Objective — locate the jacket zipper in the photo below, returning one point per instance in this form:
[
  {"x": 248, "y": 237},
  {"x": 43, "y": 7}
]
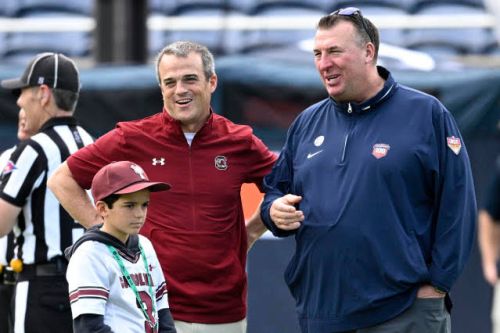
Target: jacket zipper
[{"x": 346, "y": 137}]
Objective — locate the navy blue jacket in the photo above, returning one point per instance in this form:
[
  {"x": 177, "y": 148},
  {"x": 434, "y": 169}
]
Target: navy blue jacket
[{"x": 389, "y": 205}]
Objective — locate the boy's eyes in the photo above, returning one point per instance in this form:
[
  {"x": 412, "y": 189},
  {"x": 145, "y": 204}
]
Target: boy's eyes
[{"x": 132, "y": 205}]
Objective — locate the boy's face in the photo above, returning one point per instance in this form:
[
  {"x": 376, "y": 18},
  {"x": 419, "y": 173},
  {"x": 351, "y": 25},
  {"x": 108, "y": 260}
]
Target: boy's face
[{"x": 127, "y": 215}]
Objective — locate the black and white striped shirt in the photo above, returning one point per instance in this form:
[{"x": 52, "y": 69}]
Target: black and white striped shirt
[
  {"x": 45, "y": 229},
  {"x": 6, "y": 242}
]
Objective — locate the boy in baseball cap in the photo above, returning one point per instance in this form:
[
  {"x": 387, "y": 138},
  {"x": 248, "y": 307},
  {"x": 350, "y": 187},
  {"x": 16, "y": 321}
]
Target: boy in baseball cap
[{"x": 115, "y": 281}]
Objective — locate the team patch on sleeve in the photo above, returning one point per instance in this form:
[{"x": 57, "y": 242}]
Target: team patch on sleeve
[
  {"x": 88, "y": 292},
  {"x": 454, "y": 144},
  {"x": 9, "y": 167}
]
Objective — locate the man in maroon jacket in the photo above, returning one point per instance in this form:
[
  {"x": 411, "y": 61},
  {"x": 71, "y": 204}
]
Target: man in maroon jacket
[{"x": 198, "y": 227}]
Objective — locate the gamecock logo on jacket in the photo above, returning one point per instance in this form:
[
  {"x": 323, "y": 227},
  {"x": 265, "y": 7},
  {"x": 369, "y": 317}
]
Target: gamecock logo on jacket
[{"x": 221, "y": 163}]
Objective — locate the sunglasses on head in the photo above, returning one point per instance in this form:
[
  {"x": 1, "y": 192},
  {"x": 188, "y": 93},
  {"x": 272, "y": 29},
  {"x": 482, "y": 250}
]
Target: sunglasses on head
[{"x": 352, "y": 11}]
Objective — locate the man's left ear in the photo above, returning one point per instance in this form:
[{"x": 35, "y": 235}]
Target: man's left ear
[
  {"x": 213, "y": 83},
  {"x": 370, "y": 52},
  {"x": 45, "y": 94}
]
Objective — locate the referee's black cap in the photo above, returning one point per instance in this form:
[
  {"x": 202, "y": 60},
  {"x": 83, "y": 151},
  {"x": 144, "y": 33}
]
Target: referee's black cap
[{"x": 53, "y": 69}]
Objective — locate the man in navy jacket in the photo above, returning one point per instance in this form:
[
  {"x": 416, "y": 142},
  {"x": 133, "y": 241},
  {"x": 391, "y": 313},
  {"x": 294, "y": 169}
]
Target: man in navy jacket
[{"x": 375, "y": 184}]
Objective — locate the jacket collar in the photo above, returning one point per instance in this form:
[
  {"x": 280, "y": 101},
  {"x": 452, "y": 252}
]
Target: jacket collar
[
  {"x": 56, "y": 121},
  {"x": 169, "y": 121},
  {"x": 382, "y": 95}
]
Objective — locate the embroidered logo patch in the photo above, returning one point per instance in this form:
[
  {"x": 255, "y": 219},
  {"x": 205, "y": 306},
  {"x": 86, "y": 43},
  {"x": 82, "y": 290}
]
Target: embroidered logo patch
[
  {"x": 454, "y": 144},
  {"x": 138, "y": 170},
  {"x": 319, "y": 140},
  {"x": 221, "y": 163},
  {"x": 380, "y": 150},
  {"x": 8, "y": 168},
  {"x": 156, "y": 161}
]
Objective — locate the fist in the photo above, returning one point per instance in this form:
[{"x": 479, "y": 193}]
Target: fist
[{"x": 284, "y": 214}]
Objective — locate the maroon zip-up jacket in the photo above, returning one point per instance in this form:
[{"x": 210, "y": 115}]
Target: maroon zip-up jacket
[{"x": 197, "y": 228}]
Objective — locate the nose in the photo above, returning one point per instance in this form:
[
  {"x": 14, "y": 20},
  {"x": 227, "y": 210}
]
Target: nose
[
  {"x": 180, "y": 89},
  {"x": 323, "y": 63},
  {"x": 140, "y": 212}
]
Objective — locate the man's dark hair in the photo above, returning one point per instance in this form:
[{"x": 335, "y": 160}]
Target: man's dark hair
[{"x": 366, "y": 30}]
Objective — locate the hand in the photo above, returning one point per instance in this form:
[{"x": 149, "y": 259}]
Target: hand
[
  {"x": 428, "y": 291},
  {"x": 284, "y": 214},
  {"x": 490, "y": 273}
]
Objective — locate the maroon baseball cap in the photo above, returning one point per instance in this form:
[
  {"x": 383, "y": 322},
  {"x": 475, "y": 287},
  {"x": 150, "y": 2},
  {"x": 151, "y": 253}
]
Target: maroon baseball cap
[{"x": 121, "y": 178}]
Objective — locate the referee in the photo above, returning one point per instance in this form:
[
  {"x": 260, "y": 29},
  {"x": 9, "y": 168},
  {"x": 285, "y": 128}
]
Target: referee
[
  {"x": 48, "y": 93},
  {"x": 7, "y": 242}
]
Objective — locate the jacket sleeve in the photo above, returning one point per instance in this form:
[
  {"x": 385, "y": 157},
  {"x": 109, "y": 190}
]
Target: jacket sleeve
[
  {"x": 455, "y": 204},
  {"x": 90, "y": 323},
  {"x": 262, "y": 160},
  {"x": 277, "y": 184},
  {"x": 166, "y": 322}
]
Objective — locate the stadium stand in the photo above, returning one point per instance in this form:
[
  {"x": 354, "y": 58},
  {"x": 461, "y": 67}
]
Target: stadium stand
[
  {"x": 443, "y": 28},
  {"x": 21, "y": 8},
  {"x": 400, "y": 4},
  {"x": 386, "y": 9},
  {"x": 22, "y": 45},
  {"x": 415, "y": 6},
  {"x": 161, "y": 7},
  {"x": 442, "y": 42},
  {"x": 291, "y": 13},
  {"x": 211, "y": 30}
]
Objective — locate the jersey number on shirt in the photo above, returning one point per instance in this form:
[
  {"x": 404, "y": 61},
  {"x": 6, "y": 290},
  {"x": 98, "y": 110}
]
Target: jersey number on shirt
[{"x": 148, "y": 305}]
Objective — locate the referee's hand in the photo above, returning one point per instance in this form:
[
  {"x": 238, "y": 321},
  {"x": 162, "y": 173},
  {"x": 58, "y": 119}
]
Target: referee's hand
[{"x": 284, "y": 214}]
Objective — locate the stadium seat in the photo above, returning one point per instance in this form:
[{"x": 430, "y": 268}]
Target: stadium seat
[
  {"x": 269, "y": 37},
  {"x": 21, "y": 44},
  {"x": 183, "y": 5},
  {"x": 415, "y": 6},
  {"x": 26, "y": 7},
  {"x": 244, "y": 6},
  {"x": 161, "y": 7},
  {"x": 465, "y": 40},
  {"x": 219, "y": 41},
  {"x": 7, "y": 8},
  {"x": 397, "y": 4},
  {"x": 394, "y": 36},
  {"x": 261, "y": 5},
  {"x": 157, "y": 40}
]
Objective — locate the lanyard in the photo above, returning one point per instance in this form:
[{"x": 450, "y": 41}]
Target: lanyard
[{"x": 151, "y": 321}]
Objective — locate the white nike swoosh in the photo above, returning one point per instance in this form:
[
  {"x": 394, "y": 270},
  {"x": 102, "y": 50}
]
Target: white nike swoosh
[{"x": 313, "y": 154}]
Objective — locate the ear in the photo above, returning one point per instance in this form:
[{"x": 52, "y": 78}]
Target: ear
[
  {"x": 44, "y": 94},
  {"x": 370, "y": 52},
  {"x": 102, "y": 208},
  {"x": 213, "y": 83}
]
